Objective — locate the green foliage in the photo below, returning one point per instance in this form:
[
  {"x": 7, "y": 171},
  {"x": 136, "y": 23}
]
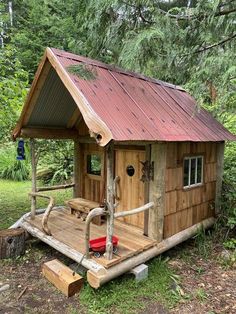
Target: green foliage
[
  {"x": 10, "y": 167},
  {"x": 13, "y": 87},
  {"x": 83, "y": 71},
  {"x": 55, "y": 161}
]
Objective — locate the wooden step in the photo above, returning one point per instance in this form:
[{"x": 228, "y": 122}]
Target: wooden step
[{"x": 61, "y": 276}]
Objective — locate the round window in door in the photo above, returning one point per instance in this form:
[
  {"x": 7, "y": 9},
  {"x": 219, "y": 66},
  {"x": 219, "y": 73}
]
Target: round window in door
[{"x": 130, "y": 170}]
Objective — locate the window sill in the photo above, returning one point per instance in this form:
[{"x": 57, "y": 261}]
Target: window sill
[{"x": 193, "y": 186}]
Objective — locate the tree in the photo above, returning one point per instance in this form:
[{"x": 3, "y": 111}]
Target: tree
[{"x": 13, "y": 86}]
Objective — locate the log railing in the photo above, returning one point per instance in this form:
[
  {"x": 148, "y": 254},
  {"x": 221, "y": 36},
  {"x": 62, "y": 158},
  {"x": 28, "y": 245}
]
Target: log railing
[
  {"x": 102, "y": 211},
  {"x": 55, "y": 187},
  {"x": 93, "y": 213},
  {"x": 47, "y": 211},
  {"x": 134, "y": 211}
]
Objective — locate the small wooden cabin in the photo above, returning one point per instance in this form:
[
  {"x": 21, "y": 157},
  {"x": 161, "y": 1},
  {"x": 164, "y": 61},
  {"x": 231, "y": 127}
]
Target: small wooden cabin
[{"x": 148, "y": 162}]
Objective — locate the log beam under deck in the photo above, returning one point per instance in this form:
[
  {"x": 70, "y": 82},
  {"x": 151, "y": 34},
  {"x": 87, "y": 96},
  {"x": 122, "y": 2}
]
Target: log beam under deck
[{"x": 96, "y": 280}]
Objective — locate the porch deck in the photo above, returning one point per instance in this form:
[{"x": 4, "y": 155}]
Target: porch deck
[{"x": 69, "y": 230}]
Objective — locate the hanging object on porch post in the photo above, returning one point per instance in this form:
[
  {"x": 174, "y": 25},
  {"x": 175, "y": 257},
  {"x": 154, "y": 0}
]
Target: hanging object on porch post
[
  {"x": 33, "y": 168},
  {"x": 110, "y": 200},
  {"x": 20, "y": 150}
]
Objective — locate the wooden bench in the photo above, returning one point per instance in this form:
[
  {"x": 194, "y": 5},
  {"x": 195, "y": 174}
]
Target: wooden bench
[{"x": 80, "y": 207}]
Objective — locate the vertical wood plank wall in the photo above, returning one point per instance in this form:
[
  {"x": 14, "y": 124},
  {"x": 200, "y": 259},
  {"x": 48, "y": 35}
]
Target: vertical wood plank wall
[
  {"x": 186, "y": 207},
  {"x": 93, "y": 187}
]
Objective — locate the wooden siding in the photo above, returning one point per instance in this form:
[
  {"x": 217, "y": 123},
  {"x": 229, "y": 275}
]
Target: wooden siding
[
  {"x": 186, "y": 207},
  {"x": 93, "y": 186}
]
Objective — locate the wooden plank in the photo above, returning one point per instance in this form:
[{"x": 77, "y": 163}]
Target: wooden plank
[
  {"x": 157, "y": 191},
  {"x": 178, "y": 221},
  {"x": 210, "y": 172},
  {"x": 174, "y": 179},
  {"x": 48, "y": 133},
  {"x": 170, "y": 202},
  {"x": 171, "y": 155},
  {"x": 61, "y": 276},
  {"x": 219, "y": 175}
]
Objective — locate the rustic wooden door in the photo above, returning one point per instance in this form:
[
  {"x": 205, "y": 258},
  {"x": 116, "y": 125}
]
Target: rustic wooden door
[{"x": 129, "y": 168}]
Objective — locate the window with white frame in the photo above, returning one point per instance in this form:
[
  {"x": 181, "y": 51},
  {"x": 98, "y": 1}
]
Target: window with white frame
[{"x": 193, "y": 171}]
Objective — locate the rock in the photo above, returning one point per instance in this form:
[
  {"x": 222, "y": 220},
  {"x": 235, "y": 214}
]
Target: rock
[
  {"x": 225, "y": 254},
  {"x": 4, "y": 288}
]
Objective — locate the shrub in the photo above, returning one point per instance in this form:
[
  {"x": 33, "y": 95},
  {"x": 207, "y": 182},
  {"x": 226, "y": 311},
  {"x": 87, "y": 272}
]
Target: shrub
[{"x": 10, "y": 167}]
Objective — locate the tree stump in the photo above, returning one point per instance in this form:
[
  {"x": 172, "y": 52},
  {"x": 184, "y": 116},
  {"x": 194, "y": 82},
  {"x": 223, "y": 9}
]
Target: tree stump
[{"x": 12, "y": 243}]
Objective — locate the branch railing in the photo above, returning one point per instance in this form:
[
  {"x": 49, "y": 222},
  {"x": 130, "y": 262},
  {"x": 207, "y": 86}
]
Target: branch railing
[
  {"x": 102, "y": 211},
  {"x": 47, "y": 211}
]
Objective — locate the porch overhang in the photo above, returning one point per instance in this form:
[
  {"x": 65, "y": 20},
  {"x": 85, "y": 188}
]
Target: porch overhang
[{"x": 54, "y": 107}]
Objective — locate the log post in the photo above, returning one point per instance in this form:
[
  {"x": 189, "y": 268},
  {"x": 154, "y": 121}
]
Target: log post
[
  {"x": 157, "y": 192},
  {"x": 77, "y": 169},
  {"x": 12, "y": 243},
  {"x": 34, "y": 170},
  {"x": 146, "y": 191},
  {"x": 110, "y": 199},
  {"x": 219, "y": 175}
]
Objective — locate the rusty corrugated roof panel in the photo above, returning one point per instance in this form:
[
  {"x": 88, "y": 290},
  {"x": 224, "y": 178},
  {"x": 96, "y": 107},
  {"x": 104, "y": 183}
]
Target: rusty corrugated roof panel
[{"x": 138, "y": 108}]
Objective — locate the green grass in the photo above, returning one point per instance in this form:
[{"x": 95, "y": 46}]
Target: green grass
[
  {"x": 14, "y": 200},
  {"x": 125, "y": 295}
]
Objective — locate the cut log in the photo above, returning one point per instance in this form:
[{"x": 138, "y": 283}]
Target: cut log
[
  {"x": 96, "y": 280},
  {"x": 61, "y": 276},
  {"x": 12, "y": 243}
]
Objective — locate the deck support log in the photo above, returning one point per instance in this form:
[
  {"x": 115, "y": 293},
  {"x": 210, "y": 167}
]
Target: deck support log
[
  {"x": 77, "y": 169},
  {"x": 96, "y": 280},
  {"x": 219, "y": 175},
  {"x": 110, "y": 199},
  {"x": 157, "y": 192},
  {"x": 65, "y": 249},
  {"x": 34, "y": 170}
]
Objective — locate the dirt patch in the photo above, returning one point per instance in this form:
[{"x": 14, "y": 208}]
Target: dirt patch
[
  {"x": 205, "y": 285},
  {"x": 39, "y": 295}
]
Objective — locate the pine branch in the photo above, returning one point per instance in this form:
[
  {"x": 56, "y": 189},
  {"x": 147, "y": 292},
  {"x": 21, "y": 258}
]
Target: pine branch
[{"x": 216, "y": 44}]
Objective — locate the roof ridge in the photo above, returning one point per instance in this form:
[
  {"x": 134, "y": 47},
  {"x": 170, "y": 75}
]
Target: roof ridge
[{"x": 72, "y": 56}]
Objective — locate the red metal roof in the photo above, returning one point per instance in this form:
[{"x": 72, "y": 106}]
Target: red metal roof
[
  {"x": 117, "y": 104},
  {"x": 135, "y": 107}
]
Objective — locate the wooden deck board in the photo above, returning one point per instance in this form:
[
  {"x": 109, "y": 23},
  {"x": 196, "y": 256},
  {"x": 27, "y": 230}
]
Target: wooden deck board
[{"x": 70, "y": 230}]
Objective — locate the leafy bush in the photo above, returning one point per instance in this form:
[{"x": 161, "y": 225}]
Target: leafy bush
[
  {"x": 55, "y": 162},
  {"x": 10, "y": 167}
]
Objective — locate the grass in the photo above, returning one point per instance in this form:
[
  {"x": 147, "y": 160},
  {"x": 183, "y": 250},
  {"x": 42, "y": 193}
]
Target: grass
[
  {"x": 14, "y": 200},
  {"x": 125, "y": 295}
]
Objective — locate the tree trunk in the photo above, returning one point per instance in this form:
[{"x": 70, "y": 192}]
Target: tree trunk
[{"x": 12, "y": 243}]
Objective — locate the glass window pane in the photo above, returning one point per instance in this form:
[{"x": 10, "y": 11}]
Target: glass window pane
[
  {"x": 199, "y": 170},
  {"x": 193, "y": 170},
  {"x": 186, "y": 171},
  {"x": 94, "y": 164}
]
